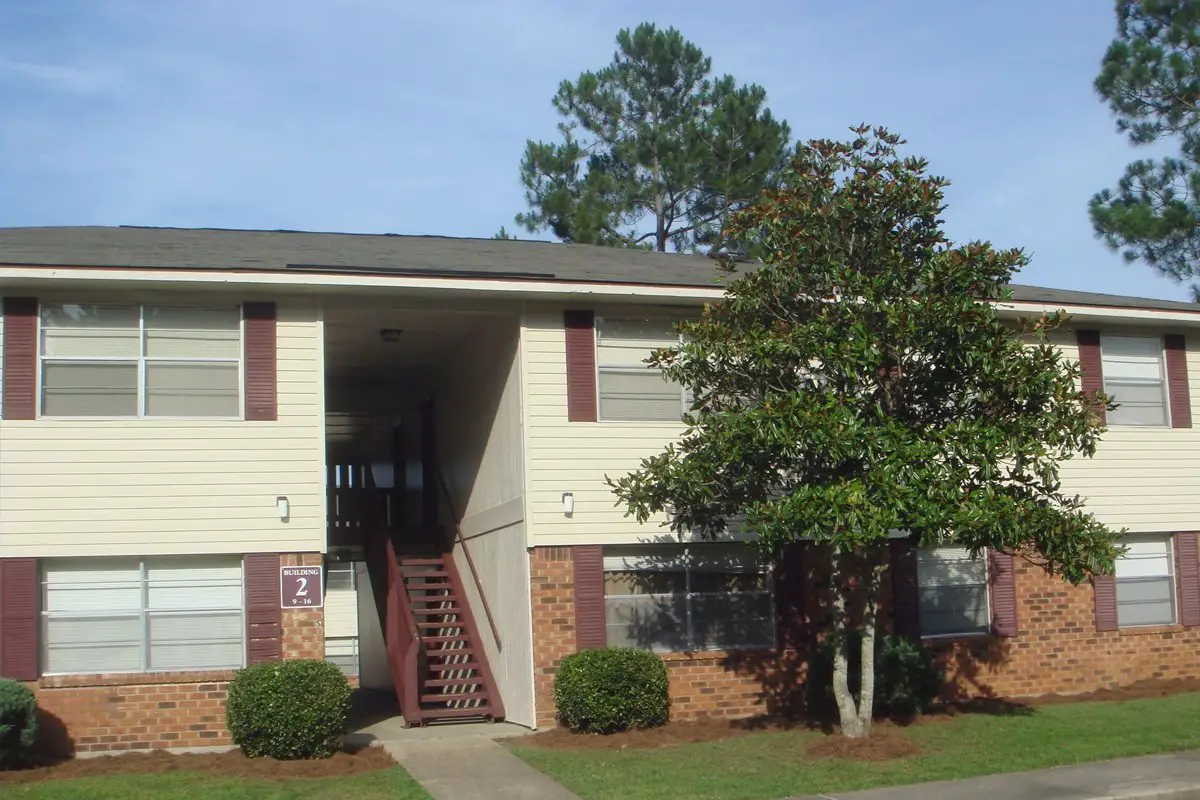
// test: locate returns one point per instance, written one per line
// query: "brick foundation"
(1057, 650)
(81, 713)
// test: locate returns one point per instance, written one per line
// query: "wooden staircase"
(453, 677)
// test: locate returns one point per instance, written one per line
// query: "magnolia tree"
(859, 382)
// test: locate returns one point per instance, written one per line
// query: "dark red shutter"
(589, 597)
(264, 617)
(1177, 380)
(1104, 587)
(581, 365)
(261, 372)
(19, 603)
(789, 596)
(1002, 585)
(906, 611)
(19, 374)
(1090, 365)
(1187, 565)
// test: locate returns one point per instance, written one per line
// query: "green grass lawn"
(772, 764)
(389, 784)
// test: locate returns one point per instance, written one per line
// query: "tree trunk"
(660, 220)
(855, 714)
(848, 711)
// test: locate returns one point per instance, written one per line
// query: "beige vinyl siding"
(1146, 479)
(575, 456)
(147, 487)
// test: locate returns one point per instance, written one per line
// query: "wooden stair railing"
(405, 650)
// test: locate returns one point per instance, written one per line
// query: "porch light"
(283, 507)
(568, 501)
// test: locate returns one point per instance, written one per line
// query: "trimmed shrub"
(907, 676)
(18, 721)
(612, 689)
(288, 709)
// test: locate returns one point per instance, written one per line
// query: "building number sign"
(301, 587)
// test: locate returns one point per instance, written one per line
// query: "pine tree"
(654, 152)
(1151, 80)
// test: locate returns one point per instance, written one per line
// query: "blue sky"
(407, 117)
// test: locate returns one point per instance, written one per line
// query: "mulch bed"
(886, 740)
(232, 764)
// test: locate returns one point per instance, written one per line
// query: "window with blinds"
(102, 615)
(952, 592)
(628, 387)
(1145, 582)
(140, 361)
(1134, 377)
(681, 598)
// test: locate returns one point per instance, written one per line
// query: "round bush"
(612, 689)
(18, 721)
(288, 709)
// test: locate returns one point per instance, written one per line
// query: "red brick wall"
(1058, 650)
(83, 713)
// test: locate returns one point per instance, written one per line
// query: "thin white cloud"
(63, 77)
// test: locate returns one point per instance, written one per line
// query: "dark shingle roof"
(219, 249)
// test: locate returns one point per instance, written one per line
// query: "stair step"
(444, 624)
(420, 562)
(469, 665)
(427, 611)
(431, 682)
(461, 637)
(433, 598)
(443, 713)
(452, 697)
(430, 573)
(449, 652)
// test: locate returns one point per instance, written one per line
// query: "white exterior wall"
(1143, 479)
(477, 403)
(576, 456)
(150, 487)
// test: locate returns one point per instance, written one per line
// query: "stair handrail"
(401, 636)
(458, 535)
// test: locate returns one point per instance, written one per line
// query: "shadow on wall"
(53, 742)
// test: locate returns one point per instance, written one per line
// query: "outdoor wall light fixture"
(283, 507)
(568, 500)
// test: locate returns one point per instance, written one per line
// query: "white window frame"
(144, 613)
(1171, 577)
(684, 404)
(1164, 380)
(987, 598)
(685, 553)
(141, 360)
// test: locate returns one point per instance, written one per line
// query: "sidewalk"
(1169, 777)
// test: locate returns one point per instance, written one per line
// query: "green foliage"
(907, 676)
(288, 709)
(612, 689)
(502, 234)
(654, 151)
(1150, 78)
(18, 721)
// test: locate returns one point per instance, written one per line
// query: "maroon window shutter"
(589, 597)
(1187, 565)
(20, 355)
(1090, 365)
(261, 372)
(264, 617)
(789, 596)
(581, 365)
(19, 602)
(906, 612)
(1177, 380)
(1104, 588)
(1002, 585)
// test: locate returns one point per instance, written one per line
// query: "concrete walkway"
(1167, 777)
(473, 768)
